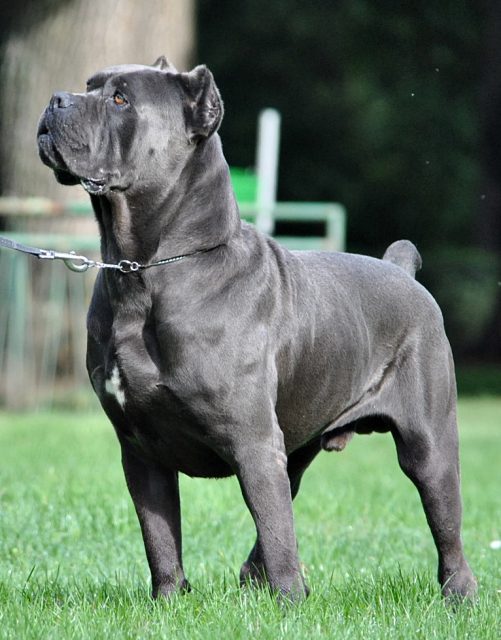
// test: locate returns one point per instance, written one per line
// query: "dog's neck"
(197, 212)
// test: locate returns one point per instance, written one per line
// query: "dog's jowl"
(239, 356)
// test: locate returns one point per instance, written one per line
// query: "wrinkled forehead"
(126, 74)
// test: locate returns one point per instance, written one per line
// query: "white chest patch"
(113, 386)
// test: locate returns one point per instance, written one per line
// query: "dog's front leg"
(262, 473)
(253, 568)
(155, 493)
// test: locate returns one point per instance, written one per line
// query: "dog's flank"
(246, 359)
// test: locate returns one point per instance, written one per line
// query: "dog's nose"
(61, 100)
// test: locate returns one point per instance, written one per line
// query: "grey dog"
(215, 351)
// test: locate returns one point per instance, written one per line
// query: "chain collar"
(80, 264)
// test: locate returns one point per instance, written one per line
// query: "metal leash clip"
(68, 259)
(78, 268)
(128, 266)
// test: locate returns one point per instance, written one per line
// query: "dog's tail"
(405, 255)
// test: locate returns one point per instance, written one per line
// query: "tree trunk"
(56, 45)
(45, 46)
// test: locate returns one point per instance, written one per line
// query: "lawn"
(72, 563)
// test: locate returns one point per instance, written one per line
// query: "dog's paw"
(460, 585)
(296, 594)
(252, 573)
(169, 589)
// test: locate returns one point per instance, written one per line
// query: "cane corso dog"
(215, 351)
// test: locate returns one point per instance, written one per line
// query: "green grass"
(72, 563)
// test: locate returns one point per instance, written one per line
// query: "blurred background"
(392, 110)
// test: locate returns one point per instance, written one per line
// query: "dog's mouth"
(47, 149)
(50, 156)
(94, 187)
(49, 144)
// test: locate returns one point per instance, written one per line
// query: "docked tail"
(405, 255)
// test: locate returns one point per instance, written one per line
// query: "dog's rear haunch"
(241, 357)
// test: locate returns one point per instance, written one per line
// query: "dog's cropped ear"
(164, 65)
(203, 105)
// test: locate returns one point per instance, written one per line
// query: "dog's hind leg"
(253, 568)
(299, 461)
(429, 457)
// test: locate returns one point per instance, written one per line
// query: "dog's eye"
(119, 99)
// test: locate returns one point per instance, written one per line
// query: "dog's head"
(133, 126)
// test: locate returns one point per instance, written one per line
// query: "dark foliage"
(379, 106)
(391, 109)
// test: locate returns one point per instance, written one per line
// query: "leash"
(80, 264)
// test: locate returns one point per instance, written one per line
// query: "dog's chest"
(161, 422)
(113, 386)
